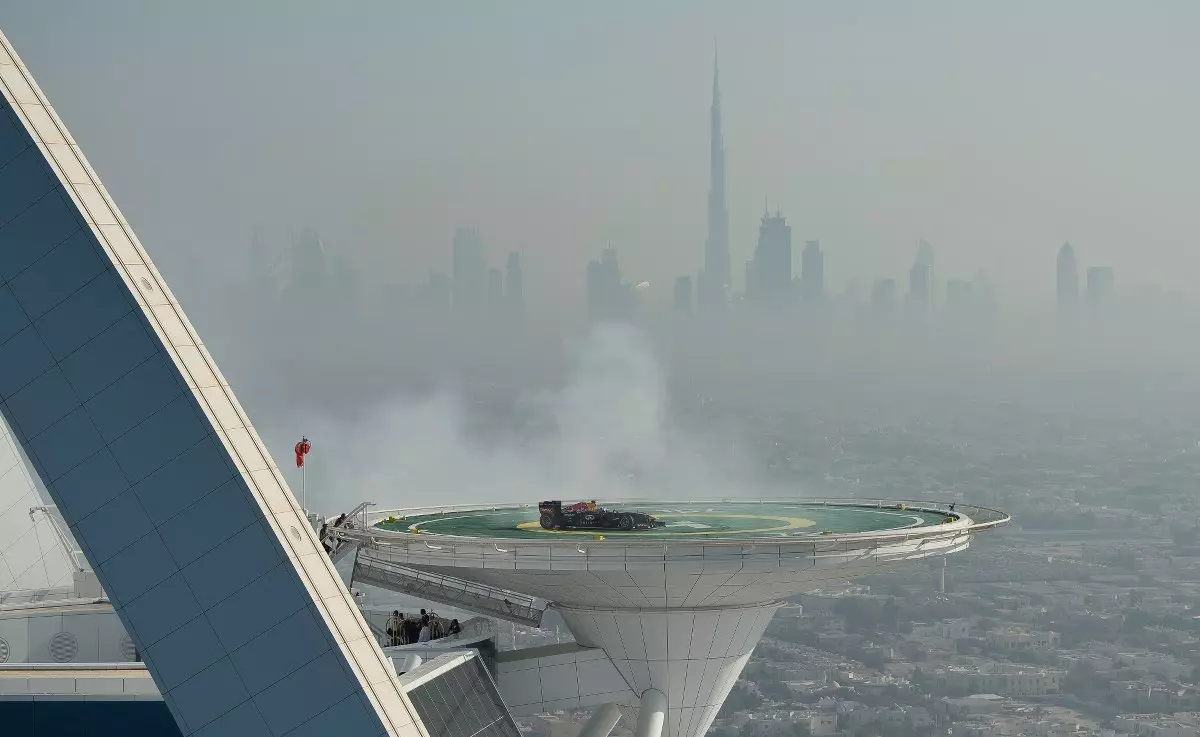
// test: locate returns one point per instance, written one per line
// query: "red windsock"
(302, 449)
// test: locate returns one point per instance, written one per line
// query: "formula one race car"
(589, 516)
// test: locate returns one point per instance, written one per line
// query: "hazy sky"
(994, 130)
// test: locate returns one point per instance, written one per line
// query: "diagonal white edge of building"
(188, 523)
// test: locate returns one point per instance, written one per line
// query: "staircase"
(355, 519)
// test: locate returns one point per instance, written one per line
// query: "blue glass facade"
(78, 718)
(186, 551)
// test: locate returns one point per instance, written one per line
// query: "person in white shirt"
(395, 629)
(424, 636)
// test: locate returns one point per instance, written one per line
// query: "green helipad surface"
(698, 521)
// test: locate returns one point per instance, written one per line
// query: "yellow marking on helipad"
(789, 523)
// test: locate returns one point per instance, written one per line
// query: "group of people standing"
(326, 541)
(404, 630)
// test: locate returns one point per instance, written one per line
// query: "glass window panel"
(185, 480)
(58, 274)
(36, 231)
(129, 400)
(463, 702)
(87, 313)
(109, 356)
(13, 138)
(42, 402)
(64, 445)
(23, 181)
(162, 438)
(24, 358)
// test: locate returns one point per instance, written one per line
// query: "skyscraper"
(1101, 285)
(812, 272)
(716, 283)
(1068, 276)
(495, 287)
(683, 294)
(920, 280)
(608, 298)
(470, 274)
(959, 295)
(514, 280)
(321, 280)
(772, 264)
(437, 291)
(883, 295)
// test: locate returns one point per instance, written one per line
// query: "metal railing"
(968, 519)
(492, 600)
(355, 518)
(339, 544)
(62, 531)
(381, 635)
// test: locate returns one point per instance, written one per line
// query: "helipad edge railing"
(980, 519)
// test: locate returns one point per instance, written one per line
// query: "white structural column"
(652, 714)
(602, 721)
(692, 656)
(138, 439)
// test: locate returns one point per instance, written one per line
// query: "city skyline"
(767, 276)
(868, 130)
(779, 276)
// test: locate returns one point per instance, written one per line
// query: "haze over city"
(996, 133)
(313, 183)
(761, 255)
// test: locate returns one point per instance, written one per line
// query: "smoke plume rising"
(606, 434)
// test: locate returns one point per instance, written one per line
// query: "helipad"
(704, 521)
(676, 610)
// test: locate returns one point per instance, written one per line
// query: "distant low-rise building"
(1011, 638)
(820, 723)
(783, 724)
(1001, 678)
(919, 717)
(971, 705)
(1091, 659)
(1159, 664)
(1152, 696)
(1146, 725)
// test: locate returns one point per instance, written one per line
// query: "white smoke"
(606, 434)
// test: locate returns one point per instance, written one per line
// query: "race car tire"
(547, 521)
(626, 522)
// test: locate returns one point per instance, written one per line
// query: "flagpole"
(301, 451)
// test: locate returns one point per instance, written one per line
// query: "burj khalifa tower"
(716, 282)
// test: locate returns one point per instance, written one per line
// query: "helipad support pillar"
(693, 656)
(652, 714)
(602, 721)
(186, 520)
